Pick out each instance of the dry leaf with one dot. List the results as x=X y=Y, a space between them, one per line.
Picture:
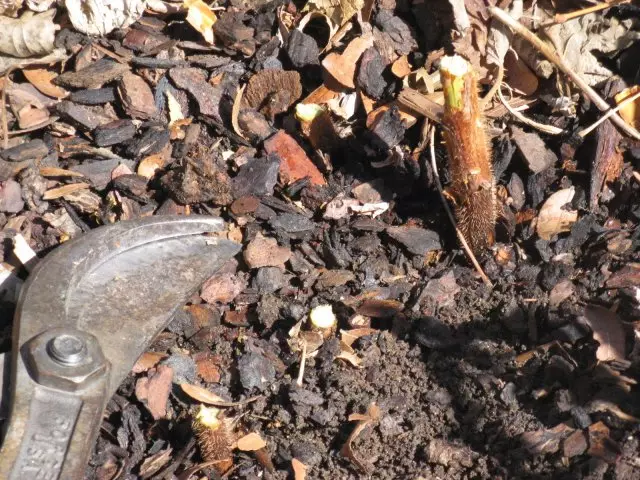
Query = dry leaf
x=339 y=11
x=9 y=8
x=147 y=361
x=201 y=17
x=554 y=218
x=299 y=469
x=235 y=111
x=401 y=67
x=205 y=396
x=251 y=442
x=371 y=416
x=64 y=190
x=579 y=39
x=342 y=66
x=347 y=354
x=58 y=172
x=631 y=111
x=28 y=36
x=154 y=463
x=99 y=17
x=350 y=336
x=42 y=80
x=608 y=331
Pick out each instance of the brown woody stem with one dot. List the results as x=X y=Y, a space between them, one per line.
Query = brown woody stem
x=472 y=183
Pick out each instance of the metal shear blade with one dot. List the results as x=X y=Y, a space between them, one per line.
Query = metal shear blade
x=86 y=313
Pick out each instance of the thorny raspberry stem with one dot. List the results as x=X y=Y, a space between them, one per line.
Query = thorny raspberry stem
x=472 y=183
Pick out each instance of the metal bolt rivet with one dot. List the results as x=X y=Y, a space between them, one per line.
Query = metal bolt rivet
x=67 y=349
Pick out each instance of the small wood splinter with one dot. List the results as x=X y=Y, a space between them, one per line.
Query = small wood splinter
x=472 y=184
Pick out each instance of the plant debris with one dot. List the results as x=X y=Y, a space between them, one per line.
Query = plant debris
x=331 y=136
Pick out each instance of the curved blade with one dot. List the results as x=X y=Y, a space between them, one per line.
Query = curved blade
x=120 y=283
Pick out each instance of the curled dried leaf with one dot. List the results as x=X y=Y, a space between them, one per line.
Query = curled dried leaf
x=299 y=469
x=554 y=218
x=201 y=17
x=608 y=331
x=28 y=36
x=205 y=396
x=364 y=420
x=99 y=17
x=64 y=190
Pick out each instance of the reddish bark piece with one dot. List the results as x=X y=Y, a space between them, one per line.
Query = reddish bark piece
x=342 y=66
x=222 y=287
x=265 y=252
x=295 y=163
x=154 y=391
x=575 y=444
x=137 y=97
x=208 y=366
x=600 y=443
x=628 y=276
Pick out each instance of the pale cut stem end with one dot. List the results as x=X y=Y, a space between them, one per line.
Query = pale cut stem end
x=453 y=71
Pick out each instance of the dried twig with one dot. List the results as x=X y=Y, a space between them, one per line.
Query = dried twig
x=303 y=363
x=550 y=129
x=484 y=101
x=565 y=17
x=463 y=241
x=593 y=126
x=551 y=55
x=3 y=106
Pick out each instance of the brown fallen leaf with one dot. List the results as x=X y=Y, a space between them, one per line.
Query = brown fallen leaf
x=342 y=66
x=299 y=469
x=147 y=361
x=41 y=78
x=205 y=396
x=251 y=442
x=554 y=218
x=64 y=190
x=608 y=331
x=364 y=420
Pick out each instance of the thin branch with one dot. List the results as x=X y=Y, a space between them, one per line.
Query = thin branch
x=559 y=62
x=589 y=129
x=565 y=17
x=463 y=241
x=303 y=363
x=550 y=129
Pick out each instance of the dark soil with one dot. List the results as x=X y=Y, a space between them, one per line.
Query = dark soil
x=472 y=382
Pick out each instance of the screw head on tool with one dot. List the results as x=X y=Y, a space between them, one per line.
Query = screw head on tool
x=67 y=349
